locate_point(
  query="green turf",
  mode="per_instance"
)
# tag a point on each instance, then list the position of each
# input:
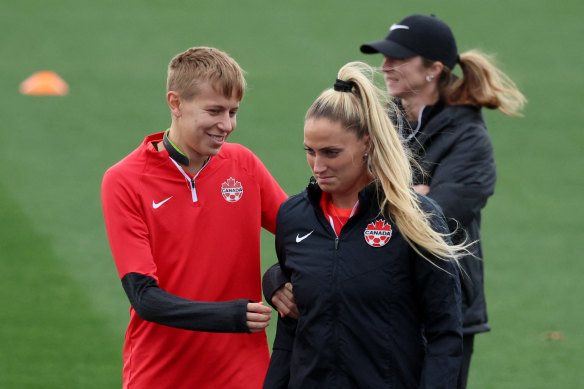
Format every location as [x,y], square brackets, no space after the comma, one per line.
[63,312]
[51,336]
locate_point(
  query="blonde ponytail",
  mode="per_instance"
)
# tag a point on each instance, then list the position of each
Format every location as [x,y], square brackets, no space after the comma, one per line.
[483,85]
[364,111]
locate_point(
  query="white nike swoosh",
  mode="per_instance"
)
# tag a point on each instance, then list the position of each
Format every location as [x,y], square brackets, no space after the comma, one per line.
[301,238]
[398,27]
[157,205]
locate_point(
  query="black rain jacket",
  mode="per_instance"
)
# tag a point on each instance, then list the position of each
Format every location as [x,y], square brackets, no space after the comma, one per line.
[454,149]
[370,317]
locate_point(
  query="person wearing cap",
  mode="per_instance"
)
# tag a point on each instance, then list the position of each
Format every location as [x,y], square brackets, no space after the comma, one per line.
[446,131]
[375,277]
[443,126]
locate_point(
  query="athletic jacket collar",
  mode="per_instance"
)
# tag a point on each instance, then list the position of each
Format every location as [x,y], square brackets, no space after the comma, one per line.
[428,112]
[441,116]
[366,195]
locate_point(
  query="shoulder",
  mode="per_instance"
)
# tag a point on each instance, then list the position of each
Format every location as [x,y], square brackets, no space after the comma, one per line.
[294,203]
[295,208]
[464,117]
[241,156]
[132,166]
[463,111]
[128,167]
[460,124]
[295,211]
[450,124]
[236,151]
[121,182]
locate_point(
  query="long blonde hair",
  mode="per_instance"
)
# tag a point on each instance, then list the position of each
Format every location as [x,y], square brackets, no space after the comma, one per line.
[363,111]
[482,84]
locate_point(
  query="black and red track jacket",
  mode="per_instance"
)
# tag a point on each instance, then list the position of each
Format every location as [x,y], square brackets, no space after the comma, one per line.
[373,312]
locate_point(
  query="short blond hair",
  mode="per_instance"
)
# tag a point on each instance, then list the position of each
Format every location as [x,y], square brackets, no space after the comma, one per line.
[190,69]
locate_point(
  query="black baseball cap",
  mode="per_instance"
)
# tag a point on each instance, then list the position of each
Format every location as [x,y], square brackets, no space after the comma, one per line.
[423,35]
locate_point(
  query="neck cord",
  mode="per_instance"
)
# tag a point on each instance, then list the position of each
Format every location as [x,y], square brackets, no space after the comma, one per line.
[173,151]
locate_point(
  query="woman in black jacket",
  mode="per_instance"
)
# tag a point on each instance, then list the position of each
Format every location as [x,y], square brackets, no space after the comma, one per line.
[375,279]
[446,132]
[444,128]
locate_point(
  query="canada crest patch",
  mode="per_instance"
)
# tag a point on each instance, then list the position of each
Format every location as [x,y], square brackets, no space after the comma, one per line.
[232,190]
[378,233]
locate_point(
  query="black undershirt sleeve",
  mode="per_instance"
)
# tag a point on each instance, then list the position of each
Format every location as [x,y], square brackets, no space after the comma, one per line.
[154,304]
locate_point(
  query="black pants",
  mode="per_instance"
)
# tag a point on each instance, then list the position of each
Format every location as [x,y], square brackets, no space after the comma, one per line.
[467,348]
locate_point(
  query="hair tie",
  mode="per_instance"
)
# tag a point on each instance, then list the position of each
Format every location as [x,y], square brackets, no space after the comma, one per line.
[343,86]
[458,59]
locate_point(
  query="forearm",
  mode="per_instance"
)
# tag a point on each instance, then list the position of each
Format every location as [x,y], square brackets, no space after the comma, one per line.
[274,278]
[464,178]
[156,305]
[442,327]
[440,299]
[441,370]
[443,331]
[458,201]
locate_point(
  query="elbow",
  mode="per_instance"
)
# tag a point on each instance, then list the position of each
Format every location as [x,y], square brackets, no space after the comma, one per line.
[138,287]
[144,312]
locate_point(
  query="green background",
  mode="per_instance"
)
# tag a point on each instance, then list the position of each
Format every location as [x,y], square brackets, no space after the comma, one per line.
[62,309]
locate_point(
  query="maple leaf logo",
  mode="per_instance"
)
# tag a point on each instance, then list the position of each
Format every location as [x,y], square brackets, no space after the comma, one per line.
[378,233]
[231,183]
[232,190]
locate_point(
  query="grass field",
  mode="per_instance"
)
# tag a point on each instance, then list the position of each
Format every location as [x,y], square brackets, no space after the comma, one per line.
[62,309]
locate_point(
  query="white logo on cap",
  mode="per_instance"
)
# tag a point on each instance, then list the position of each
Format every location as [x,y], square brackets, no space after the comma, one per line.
[398,27]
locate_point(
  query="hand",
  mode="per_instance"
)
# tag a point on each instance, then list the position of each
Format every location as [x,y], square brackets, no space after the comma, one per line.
[258,316]
[422,189]
[283,300]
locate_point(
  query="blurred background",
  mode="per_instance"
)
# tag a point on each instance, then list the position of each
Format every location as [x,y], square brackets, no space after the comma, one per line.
[63,312]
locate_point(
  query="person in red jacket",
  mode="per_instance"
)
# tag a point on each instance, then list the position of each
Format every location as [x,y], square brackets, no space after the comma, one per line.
[183,214]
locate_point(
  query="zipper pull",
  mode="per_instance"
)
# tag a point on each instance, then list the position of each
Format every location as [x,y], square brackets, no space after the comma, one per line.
[336,242]
[193,183]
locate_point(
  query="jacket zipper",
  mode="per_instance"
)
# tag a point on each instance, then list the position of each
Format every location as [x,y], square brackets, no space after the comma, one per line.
[191,180]
[336,309]
[194,190]
[336,303]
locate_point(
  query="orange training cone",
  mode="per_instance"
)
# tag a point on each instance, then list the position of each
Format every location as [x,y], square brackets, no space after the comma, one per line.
[44,83]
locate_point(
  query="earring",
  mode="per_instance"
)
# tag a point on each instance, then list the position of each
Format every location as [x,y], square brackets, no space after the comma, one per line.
[429,78]
[365,156]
